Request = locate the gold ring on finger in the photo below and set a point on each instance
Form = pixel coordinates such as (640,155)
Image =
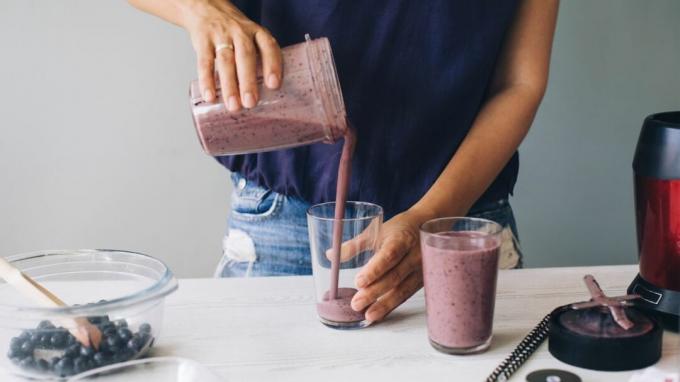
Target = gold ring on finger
(220,47)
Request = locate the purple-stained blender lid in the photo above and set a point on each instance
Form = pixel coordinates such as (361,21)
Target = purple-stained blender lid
(605,316)
(604,333)
(598,322)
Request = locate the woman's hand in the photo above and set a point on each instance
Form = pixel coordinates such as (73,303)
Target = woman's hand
(227,41)
(395,272)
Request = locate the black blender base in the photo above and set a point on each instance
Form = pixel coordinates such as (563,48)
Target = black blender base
(668,321)
(662,304)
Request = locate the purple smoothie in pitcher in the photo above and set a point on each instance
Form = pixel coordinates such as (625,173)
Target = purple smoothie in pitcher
(307,108)
(460,270)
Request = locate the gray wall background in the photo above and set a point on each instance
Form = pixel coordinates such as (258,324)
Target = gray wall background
(614,62)
(98,149)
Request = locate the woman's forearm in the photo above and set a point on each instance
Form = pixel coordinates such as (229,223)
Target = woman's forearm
(168,10)
(504,120)
(497,132)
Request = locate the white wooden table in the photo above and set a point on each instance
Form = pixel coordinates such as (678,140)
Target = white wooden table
(266,329)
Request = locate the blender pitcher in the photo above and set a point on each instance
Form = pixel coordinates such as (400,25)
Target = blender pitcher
(307,108)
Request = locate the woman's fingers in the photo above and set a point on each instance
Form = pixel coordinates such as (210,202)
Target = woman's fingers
(226,67)
(395,297)
(361,242)
(221,25)
(389,281)
(246,60)
(205,57)
(350,248)
(271,58)
(390,253)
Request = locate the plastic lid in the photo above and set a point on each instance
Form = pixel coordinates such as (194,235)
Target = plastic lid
(591,339)
(605,333)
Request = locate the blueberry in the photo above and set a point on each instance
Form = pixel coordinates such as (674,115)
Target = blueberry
(72,351)
(80,364)
(122,356)
(124,334)
(105,319)
(53,362)
(107,325)
(101,359)
(113,342)
(145,337)
(98,319)
(42,365)
(35,337)
(27,362)
(64,367)
(15,343)
(121,323)
(25,335)
(58,339)
(86,351)
(145,328)
(135,344)
(13,353)
(45,325)
(27,347)
(70,340)
(109,330)
(45,340)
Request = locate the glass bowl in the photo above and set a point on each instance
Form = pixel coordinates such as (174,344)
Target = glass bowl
(120,292)
(166,369)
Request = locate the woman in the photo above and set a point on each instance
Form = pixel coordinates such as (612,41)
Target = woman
(441,93)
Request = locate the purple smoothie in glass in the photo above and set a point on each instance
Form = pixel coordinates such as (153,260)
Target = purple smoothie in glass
(460,270)
(338,309)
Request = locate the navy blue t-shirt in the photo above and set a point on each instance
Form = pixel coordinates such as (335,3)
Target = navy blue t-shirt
(414,75)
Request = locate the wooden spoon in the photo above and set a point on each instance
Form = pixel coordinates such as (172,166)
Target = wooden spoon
(85,332)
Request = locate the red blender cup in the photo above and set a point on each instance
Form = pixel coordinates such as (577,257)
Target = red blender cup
(308,108)
(657,211)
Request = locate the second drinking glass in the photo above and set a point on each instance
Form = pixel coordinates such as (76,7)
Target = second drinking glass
(361,226)
(460,267)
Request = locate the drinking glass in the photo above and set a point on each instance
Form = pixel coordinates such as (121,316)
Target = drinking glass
(360,229)
(460,267)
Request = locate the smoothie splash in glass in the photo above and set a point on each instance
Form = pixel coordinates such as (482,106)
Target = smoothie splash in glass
(460,268)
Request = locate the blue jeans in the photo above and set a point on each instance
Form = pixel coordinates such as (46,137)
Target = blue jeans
(268,233)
